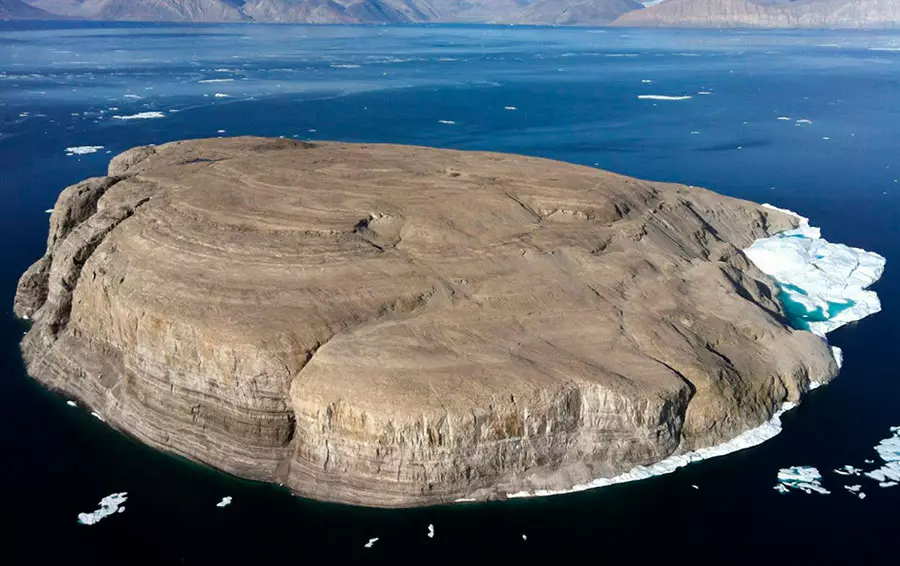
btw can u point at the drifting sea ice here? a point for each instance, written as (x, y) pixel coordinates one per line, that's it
(888, 450)
(83, 149)
(141, 116)
(662, 97)
(430, 531)
(804, 478)
(823, 285)
(226, 501)
(371, 542)
(109, 505)
(71, 403)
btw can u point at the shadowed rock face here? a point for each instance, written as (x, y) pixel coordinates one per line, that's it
(395, 326)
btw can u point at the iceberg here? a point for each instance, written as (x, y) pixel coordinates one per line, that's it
(823, 286)
(109, 505)
(430, 531)
(226, 501)
(804, 478)
(371, 542)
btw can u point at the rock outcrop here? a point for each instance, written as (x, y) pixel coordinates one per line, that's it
(396, 326)
(768, 14)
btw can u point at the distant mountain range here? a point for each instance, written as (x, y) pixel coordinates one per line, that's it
(346, 11)
(644, 13)
(768, 14)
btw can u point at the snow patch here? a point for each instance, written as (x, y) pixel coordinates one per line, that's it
(109, 505)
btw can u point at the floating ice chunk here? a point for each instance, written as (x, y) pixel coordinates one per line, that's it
(695, 487)
(226, 501)
(848, 470)
(662, 97)
(826, 138)
(71, 403)
(222, 95)
(345, 66)
(524, 537)
(371, 542)
(141, 116)
(704, 93)
(823, 285)
(450, 122)
(745, 440)
(804, 478)
(430, 531)
(83, 149)
(853, 488)
(646, 81)
(133, 96)
(784, 118)
(804, 121)
(98, 417)
(889, 451)
(210, 81)
(510, 108)
(109, 505)
(49, 211)
(220, 131)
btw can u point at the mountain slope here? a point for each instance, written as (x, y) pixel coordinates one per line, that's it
(18, 10)
(347, 11)
(768, 14)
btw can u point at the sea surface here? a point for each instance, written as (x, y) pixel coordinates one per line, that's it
(569, 94)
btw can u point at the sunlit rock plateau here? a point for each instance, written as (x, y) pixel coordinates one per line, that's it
(397, 326)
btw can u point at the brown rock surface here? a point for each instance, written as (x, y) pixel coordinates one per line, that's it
(391, 325)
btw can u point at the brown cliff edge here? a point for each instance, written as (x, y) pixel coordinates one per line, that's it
(398, 326)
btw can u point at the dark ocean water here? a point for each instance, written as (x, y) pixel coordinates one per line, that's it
(575, 93)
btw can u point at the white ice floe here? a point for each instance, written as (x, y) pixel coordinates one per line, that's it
(345, 66)
(804, 121)
(855, 490)
(83, 149)
(109, 505)
(220, 131)
(747, 439)
(134, 96)
(662, 97)
(838, 355)
(211, 81)
(888, 450)
(848, 470)
(784, 118)
(371, 542)
(804, 478)
(450, 122)
(704, 93)
(823, 285)
(141, 116)
(510, 108)
(226, 501)
(98, 417)
(646, 81)
(222, 95)
(430, 531)
(524, 537)
(71, 403)
(49, 211)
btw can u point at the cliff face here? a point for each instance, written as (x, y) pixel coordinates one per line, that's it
(346, 11)
(770, 14)
(391, 325)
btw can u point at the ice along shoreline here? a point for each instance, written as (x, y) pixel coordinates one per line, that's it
(824, 286)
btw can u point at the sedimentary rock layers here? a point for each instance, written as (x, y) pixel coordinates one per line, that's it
(390, 325)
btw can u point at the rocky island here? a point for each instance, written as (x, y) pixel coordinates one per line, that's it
(397, 326)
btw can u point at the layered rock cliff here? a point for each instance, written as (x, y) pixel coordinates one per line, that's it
(768, 14)
(393, 326)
